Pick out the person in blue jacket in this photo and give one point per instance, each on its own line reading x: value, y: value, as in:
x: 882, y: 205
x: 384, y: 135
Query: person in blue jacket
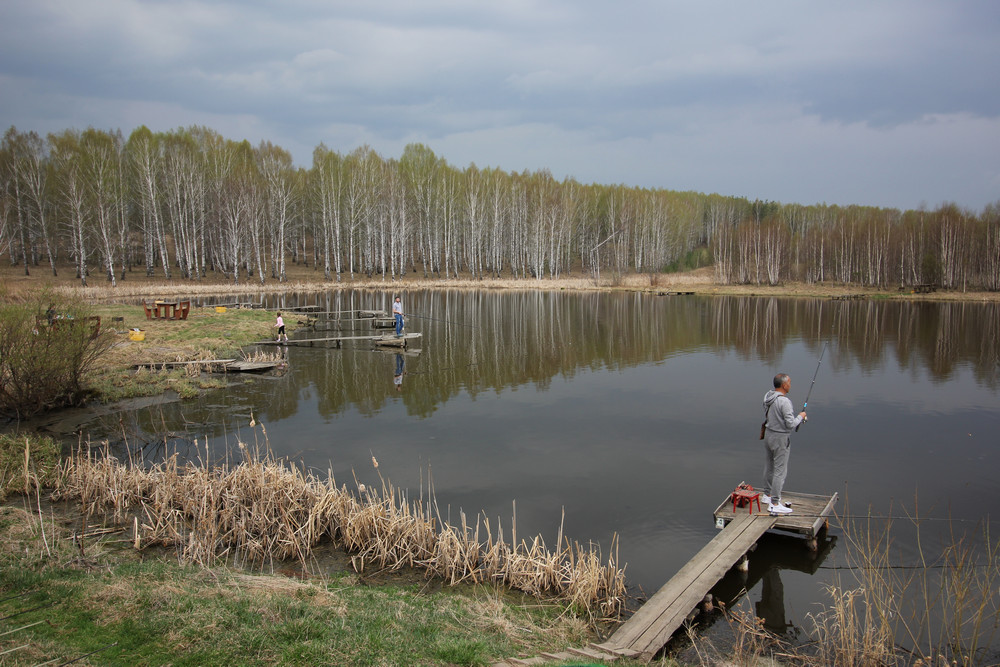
x: 397, y: 313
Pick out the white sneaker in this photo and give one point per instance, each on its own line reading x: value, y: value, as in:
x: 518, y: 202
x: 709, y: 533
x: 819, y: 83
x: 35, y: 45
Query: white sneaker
x: 766, y: 499
x: 778, y: 509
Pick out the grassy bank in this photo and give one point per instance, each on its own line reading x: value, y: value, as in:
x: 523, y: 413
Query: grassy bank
x: 205, y: 335
x: 63, y: 597
x: 255, y: 564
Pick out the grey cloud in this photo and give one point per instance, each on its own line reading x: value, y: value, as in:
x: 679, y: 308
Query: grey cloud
x: 686, y: 95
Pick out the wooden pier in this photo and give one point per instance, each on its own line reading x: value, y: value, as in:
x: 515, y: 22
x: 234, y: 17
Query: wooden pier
x: 215, y: 365
x: 389, y: 340
x: 647, y: 631
x: 361, y: 314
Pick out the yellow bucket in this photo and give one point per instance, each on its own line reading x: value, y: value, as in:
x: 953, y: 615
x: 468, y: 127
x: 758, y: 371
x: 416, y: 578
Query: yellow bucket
x: 137, y: 335
x: 220, y: 309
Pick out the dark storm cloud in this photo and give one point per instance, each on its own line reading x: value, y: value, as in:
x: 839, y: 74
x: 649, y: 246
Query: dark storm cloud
x: 890, y: 103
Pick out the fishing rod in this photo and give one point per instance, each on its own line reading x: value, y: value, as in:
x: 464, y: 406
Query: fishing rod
x: 813, y: 383
x: 424, y: 317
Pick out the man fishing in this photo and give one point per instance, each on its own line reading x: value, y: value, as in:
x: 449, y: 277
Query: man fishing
x: 397, y: 313
x: 780, y: 420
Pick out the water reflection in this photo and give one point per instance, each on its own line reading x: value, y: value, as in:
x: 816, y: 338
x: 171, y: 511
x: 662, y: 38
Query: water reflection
x: 530, y: 337
x: 397, y: 378
x: 773, y: 556
x: 635, y: 413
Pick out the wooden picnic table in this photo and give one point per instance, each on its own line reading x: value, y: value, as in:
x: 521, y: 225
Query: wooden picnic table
x: 165, y: 309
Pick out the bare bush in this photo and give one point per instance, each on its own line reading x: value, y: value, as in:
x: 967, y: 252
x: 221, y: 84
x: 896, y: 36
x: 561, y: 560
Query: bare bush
x: 46, y: 348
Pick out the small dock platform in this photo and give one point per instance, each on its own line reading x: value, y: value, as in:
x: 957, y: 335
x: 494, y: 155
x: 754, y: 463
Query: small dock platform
x: 810, y: 515
x: 251, y: 366
x: 215, y: 365
x: 388, y: 340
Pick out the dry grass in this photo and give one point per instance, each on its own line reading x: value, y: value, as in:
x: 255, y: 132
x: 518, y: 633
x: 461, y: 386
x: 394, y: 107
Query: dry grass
x: 701, y: 281
x: 262, y: 511
x: 945, y: 612
x: 302, y: 278
x: 263, y: 356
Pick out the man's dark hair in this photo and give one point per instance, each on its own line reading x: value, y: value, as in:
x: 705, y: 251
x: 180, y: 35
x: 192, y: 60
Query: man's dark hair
x: 779, y: 380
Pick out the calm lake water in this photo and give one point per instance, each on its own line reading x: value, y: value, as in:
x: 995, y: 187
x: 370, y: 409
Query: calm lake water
x: 635, y: 414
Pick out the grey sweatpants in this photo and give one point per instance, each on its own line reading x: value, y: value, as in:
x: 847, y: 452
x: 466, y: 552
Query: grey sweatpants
x: 777, y: 447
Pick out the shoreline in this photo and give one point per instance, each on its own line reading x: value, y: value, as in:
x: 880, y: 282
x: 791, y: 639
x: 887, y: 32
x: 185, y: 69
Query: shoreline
x: 701, y: 282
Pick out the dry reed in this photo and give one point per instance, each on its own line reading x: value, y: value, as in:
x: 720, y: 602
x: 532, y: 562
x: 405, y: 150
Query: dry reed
x: 578, y: 281
x: 263, y: 356
x: 262, y: 510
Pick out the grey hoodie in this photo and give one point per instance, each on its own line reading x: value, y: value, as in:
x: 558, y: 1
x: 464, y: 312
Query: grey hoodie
x: 781, y: 417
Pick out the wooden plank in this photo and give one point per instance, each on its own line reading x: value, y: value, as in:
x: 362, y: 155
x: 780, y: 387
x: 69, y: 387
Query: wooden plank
x: 251, y: 366
x: 564, y: 655
x: 620, y: 652
x: 591, y: 653
x: 650, y: 628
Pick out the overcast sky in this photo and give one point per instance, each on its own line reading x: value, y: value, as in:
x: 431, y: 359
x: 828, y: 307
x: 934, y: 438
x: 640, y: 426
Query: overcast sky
x: 877, y: 103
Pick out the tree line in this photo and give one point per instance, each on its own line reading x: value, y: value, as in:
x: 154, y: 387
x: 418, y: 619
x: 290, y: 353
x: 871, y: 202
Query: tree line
x: 190, y: 202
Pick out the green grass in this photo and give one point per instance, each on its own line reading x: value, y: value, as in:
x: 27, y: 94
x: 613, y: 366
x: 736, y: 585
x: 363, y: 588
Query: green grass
x: 205, y: 334
x: 146, y: 609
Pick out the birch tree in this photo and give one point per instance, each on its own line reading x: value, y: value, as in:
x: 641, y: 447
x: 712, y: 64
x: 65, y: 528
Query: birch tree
x: 100, y: 157
x: 278, y: 175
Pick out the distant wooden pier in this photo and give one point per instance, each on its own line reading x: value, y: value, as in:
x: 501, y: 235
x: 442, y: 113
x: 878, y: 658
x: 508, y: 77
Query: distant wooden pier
x: 388, y: 340
x: 361, y: 314
x: 216, y: 365
x: 649, y: 629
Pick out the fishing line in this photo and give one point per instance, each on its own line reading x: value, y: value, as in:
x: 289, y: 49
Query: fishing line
x: 984, y: 566
x: 435, y: 319
x: 855, y: 517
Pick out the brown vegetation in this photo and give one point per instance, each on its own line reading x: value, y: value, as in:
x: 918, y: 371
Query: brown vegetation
x: 304, y: 278
x: 261, y: 511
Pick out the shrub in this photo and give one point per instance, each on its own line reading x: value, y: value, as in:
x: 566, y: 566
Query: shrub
x: 46, y: 347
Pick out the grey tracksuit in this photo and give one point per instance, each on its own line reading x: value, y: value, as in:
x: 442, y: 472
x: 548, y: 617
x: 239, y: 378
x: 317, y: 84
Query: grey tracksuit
x: 781, y: 421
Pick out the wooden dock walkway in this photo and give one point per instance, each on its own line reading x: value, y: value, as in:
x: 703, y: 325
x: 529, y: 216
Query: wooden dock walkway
x: 337, y: 341
x: 647, y: 631
x: 650, y: 628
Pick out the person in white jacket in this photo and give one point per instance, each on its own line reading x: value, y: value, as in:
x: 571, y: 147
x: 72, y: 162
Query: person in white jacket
x: 780, y: 421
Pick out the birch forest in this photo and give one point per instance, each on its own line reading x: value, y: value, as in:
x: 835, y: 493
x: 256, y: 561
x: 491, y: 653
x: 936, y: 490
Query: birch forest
x: 190, y: 203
